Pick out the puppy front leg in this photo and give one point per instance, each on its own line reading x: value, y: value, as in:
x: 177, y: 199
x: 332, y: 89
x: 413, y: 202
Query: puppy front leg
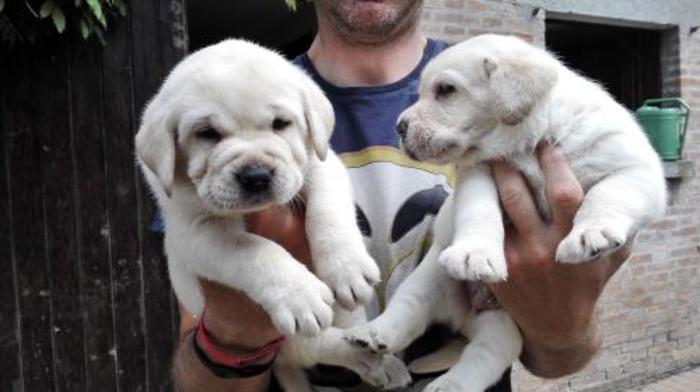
x: 186, y: 287
x: 338, y: 252
x: 477, y: 251
x: 301, y: 352
x: 495, y: 343
x: 424, y: 296
x: 612, y: 210
x: 295, y: 299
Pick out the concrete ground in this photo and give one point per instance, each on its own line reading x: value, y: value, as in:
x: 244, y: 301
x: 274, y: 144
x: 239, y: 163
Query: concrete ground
x: 688, y: 381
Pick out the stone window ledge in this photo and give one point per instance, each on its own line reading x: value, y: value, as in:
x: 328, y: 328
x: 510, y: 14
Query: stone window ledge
x: 679, y: 169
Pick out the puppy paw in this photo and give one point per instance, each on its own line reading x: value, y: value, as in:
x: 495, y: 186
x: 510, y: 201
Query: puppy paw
x: 370, y: 339
x: 587, y: 242
x: 351, y: 275
x: 446, y: 383
x: 389, y: 373
x: 475, y: 261
x: 302, y: 305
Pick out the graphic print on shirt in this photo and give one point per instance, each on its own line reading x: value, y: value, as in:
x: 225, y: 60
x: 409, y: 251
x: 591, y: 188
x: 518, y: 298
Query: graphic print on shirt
x: 396, y: 220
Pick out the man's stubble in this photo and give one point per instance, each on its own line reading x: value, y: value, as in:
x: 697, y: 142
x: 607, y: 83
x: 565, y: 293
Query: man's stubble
x: 366, y: 22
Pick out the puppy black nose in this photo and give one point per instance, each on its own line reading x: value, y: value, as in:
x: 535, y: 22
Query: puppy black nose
x: 402, y: 128
x: 255, y: 178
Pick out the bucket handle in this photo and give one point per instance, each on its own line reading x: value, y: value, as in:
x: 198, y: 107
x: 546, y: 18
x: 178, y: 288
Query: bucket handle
x: 685, y: 115
x: 666, y: 100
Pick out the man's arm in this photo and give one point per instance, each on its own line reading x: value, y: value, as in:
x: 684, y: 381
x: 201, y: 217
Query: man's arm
x: 189, y: 372
x: 552, y: 303
x: 232, y: 319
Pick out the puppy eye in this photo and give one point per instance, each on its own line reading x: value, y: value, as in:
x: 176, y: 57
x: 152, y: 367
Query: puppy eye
x: 208, y: 134
x: 279, y: 124
x: 443, y: 89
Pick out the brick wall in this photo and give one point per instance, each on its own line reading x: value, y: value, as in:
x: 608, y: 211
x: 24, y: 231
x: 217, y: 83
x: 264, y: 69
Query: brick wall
x: 650, y: 311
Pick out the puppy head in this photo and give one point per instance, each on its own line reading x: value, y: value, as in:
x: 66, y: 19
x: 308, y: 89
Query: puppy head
x: 470, y: 89
x: 236, y: 125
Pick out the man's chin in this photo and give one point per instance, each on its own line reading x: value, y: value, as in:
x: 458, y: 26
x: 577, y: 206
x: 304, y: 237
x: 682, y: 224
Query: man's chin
x: 371, y: 21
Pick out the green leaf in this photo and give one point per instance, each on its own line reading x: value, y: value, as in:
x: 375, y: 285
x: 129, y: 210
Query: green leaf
x: 96, y: 9
x: 47, y: 9
x: 2, y: 5
x: 59, y: 19
x: 291, y: 4
x: 85, y: 30
x: 77, y: 3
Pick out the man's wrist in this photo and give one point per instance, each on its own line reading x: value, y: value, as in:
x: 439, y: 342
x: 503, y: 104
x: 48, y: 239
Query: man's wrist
x: 217, y: 356
x: 545, y: 359
x: 238, y: 339
x: 192, y: 376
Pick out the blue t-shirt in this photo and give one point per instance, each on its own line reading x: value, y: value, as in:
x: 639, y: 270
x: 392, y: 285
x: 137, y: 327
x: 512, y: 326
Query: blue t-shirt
x: 366, y: 116
x: 396, y: 198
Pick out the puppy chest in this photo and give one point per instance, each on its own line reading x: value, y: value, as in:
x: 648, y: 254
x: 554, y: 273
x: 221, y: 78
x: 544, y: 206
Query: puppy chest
x: 588, y: 170
x: 530, y: 169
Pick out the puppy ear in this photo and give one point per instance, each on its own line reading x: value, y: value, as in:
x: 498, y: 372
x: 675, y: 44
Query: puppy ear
x: 319, y: 116
x: 155, y: 146
x: 518, y: 84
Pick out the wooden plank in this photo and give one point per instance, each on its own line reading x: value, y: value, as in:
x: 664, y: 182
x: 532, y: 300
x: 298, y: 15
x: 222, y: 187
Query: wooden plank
x: 92, y: 216
x: 173, y: 25
x: 30, y: 75
x: 10, y: 349
x: 57, y: 172
x: 148, y: 72
x: 123, y: 213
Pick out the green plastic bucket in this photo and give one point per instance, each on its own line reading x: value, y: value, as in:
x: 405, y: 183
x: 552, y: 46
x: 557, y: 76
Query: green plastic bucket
x: 665, y: 121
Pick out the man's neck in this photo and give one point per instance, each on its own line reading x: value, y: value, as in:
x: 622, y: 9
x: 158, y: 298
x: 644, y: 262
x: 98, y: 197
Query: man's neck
x: 347, y: 64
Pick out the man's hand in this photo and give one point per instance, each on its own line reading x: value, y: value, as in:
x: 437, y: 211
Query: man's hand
x: 552, y: 303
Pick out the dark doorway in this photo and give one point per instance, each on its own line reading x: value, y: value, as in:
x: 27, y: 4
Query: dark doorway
x: 626, y: 61
x: 270, y: 23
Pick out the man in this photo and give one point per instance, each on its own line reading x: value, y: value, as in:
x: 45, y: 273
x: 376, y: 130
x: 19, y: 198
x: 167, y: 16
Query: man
x: 367, y: 57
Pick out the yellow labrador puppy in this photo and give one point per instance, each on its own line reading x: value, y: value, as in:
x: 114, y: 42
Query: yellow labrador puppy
x: 497, y: 97
x: 236, y: 128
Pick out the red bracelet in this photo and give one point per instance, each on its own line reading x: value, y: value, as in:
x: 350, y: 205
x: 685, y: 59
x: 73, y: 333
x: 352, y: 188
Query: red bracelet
x: 225, y: 365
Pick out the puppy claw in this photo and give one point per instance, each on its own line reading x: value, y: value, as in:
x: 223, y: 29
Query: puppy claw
x: 367, y: 338
x: 586, y: 243
x: 358, y: 342
x: 295, y: 309
x: 479, y: 262
x: 372, y: 280
x: 350, y: 273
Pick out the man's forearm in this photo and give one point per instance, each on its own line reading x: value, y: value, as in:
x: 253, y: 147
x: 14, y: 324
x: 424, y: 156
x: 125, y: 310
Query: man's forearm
x: 190, y: 375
